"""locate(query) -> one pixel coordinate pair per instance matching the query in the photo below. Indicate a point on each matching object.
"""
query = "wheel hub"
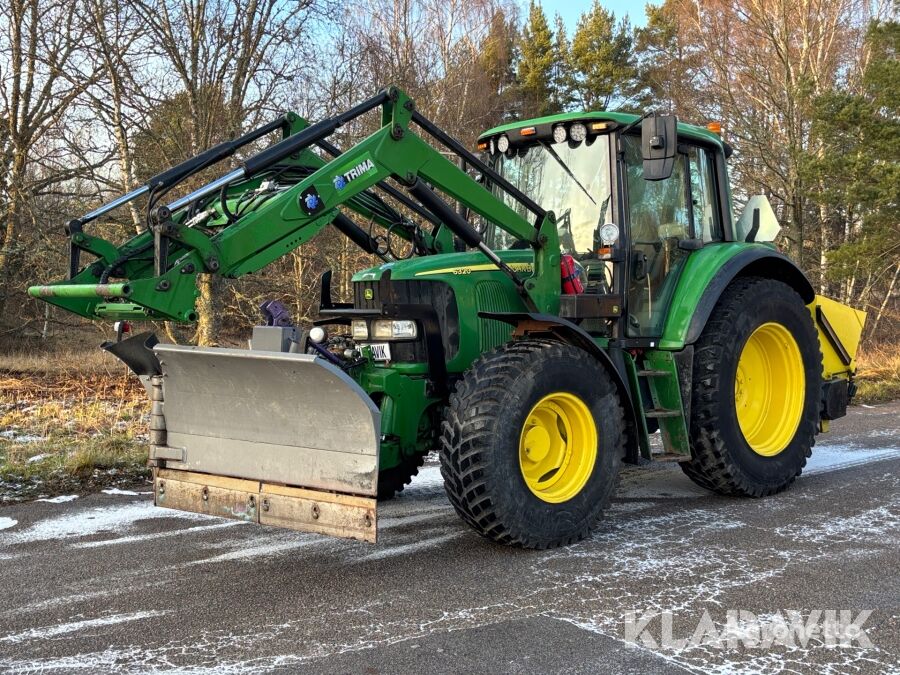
(769, 389)
(558, 447)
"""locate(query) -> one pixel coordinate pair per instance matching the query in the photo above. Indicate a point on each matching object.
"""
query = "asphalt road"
(108, 583)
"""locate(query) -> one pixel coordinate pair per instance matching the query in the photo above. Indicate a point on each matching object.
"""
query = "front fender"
(709, 271)
(571, 333)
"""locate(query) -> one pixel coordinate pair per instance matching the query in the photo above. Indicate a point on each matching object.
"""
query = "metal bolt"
(265, 504)
(315, 511)
(368, 520)
(162, 487)
(205, 494)
(163, 285)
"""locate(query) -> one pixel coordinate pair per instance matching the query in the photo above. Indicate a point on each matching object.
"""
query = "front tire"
(756, 388)
(531, 444)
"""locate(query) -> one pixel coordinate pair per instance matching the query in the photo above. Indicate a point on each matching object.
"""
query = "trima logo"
(365, 167)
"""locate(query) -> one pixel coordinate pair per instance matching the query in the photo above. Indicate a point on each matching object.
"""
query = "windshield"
(570, 180)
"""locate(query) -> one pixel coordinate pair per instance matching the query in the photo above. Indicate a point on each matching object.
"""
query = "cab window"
(703, 194)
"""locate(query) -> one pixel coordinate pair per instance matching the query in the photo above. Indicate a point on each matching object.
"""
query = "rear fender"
(688, 318)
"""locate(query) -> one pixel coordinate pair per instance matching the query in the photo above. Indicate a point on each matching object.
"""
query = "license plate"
(381, 351)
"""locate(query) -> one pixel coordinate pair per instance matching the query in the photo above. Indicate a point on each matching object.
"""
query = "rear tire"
(756, 389)
(531, 444)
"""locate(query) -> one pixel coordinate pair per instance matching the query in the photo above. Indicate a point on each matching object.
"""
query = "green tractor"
(542, 308)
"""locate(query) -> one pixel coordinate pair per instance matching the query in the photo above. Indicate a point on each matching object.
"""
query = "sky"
(570, 10)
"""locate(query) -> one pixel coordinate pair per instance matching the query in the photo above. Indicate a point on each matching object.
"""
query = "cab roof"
(687, 130)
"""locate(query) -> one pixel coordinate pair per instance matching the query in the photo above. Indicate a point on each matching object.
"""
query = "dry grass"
(878, 374)
(69, 422)
(61, 362)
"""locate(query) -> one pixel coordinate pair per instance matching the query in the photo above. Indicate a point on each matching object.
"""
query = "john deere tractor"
(543, 306)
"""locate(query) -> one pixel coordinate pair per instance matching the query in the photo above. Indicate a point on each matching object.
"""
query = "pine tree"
(856, 178)
(668, 65)
(563, 83)
(602, 59)
(496, 72)
(535, 71)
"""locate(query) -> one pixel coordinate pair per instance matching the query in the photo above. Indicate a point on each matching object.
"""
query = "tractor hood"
(449, 264)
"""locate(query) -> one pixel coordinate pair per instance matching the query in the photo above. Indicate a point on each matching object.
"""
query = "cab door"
(666, 220)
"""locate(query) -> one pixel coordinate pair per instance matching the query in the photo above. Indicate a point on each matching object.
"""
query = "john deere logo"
(351, 173)
(368, 294)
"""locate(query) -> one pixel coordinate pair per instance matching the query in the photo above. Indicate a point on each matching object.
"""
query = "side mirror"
(659, 141)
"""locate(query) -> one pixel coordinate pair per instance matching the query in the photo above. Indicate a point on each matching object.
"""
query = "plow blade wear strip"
(315, 511)
(275, 418)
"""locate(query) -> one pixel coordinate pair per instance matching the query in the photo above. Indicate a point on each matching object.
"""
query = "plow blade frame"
(246, 429)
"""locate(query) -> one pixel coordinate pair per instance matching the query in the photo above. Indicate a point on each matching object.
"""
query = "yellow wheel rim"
(769, 389)
(558, 447)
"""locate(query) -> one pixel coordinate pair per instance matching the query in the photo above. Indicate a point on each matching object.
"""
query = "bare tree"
(43, 71)
(121, 53)
(764, 62)
(229, 57)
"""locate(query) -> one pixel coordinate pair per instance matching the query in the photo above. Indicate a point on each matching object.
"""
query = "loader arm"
(215, 229)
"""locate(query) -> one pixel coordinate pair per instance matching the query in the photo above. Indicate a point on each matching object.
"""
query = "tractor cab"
(632, 197)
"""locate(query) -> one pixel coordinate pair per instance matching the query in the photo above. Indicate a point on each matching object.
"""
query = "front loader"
(575, 287)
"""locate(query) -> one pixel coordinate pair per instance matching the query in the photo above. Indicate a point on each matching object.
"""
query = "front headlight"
(385, 329)
(359, 330)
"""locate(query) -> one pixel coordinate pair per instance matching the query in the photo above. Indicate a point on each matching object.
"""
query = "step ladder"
(659, 370)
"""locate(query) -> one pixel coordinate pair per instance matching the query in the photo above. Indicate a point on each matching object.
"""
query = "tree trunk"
(14, 208)
(887, 298)
(208, 315)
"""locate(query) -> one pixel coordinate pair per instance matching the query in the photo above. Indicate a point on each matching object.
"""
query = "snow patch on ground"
(429, 478)
(16, 437)
(401, 521)
(198, 529)
(403, 549)
(827, 458)
(127, 493)
(881, 525)
(87, 522)
(61, 499)
(6, 523)
(38, 458)
(287, 542)
(74, 626)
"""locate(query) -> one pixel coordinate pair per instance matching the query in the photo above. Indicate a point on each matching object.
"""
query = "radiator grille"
(437, 294)
(491, 297)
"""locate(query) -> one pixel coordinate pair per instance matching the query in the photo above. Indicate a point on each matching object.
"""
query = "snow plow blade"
(278, 439)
